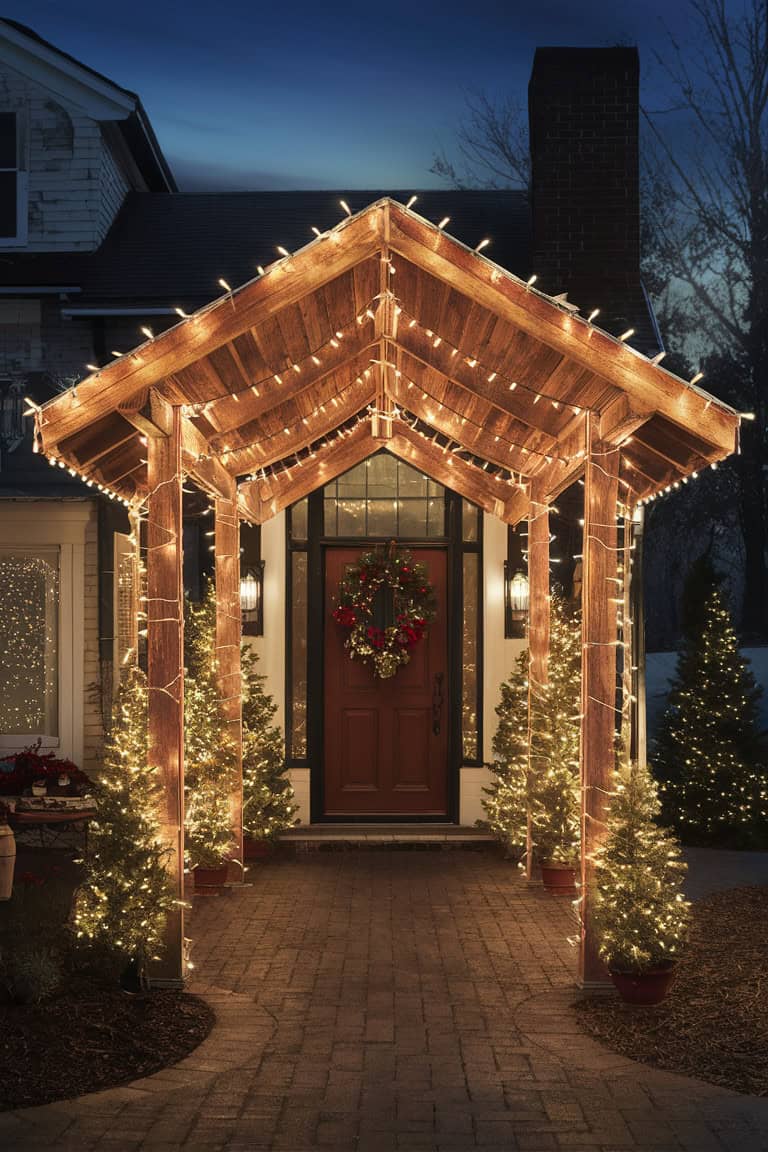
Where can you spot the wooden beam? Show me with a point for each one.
(235, 425)
(284, 283)
(555, 477)
(303, 399)
(265, 498)
(516, 403)
(228, 632)
(648, 385)
(507, 502)
(165, 669)
(474, 439)
(272, 448)
(598, 678)
(621, 418)
(538, 623)
(154, 419)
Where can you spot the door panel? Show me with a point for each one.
(386, 741)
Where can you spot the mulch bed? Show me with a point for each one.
(714, 1022)
(89, 1038)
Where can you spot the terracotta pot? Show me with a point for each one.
(559, 879)
(644, 987)
(7, 861)
(210, 880)
(257, 849)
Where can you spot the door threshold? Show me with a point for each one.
(386, 834)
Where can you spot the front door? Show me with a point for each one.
(386, 741)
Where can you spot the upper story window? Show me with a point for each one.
(13, 180)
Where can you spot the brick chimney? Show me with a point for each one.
(583, 107)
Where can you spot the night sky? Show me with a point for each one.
(298, 95)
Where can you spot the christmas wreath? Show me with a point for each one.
(413, 606)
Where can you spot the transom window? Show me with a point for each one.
(383, 496)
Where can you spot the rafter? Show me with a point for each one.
(532, 313)
(265, 498)
(507, 502)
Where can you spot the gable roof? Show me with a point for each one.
(173, 249)
(27, 51)
(388, 310)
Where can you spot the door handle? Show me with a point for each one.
(437, 703)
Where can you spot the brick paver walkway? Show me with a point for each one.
(372, 1001)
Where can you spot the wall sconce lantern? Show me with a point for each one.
(252, 599)
(515, 603)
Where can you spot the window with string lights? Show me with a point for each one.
(29, 627)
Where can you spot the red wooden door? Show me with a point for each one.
(386, 741)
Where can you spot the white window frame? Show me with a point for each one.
(22, 184)
(62, 524)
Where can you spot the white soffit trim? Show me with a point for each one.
(42, 64)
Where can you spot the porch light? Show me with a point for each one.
(252, 599)
(515, 602)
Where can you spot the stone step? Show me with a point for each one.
(386, 834)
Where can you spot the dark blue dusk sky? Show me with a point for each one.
(300, 95)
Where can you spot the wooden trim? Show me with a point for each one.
(165, 666)
(599, 668)
(228, 631)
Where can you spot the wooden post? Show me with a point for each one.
(165, 667)
(538, 619)
(598, 680)
(228, 633)
(638, 746)
(134, 577)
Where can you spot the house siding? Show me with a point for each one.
(75, 184)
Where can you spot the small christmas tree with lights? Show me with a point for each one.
(267, 795)
(209, 749)
(506, 802)
(121, 906)
(639, 912)
(546, 784)
(555, 734)
(709, 756)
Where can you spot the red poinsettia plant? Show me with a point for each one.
(19, 771)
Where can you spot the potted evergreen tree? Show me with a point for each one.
(506, 799)
(537, 772)
(639, 913)
(267, 795)
(209, 753)
(554, 781)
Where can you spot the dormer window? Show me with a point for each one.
(13, 180)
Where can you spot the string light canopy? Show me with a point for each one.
(386, 331)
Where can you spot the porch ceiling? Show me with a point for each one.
(488, 381)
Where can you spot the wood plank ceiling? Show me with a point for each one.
(477, 379)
